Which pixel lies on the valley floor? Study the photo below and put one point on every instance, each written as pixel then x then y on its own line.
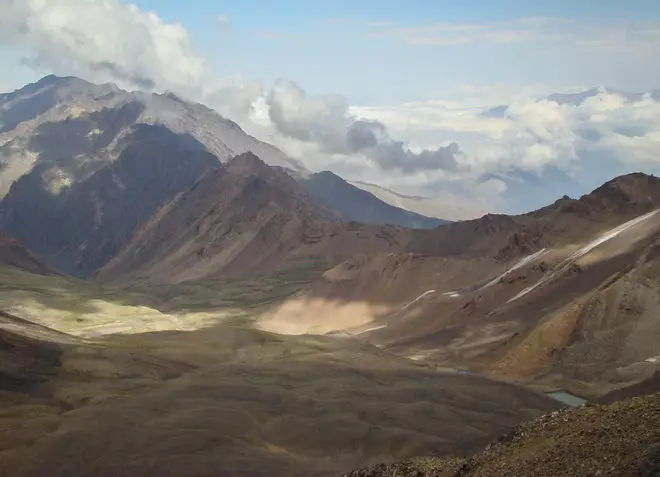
pixel 99 382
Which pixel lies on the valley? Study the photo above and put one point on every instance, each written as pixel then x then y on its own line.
pixel 178 298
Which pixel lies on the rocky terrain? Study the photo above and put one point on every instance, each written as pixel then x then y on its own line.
pixel 79 227
pixel 15 254
pixel 562 298
pixel 620 439
pixel 120 387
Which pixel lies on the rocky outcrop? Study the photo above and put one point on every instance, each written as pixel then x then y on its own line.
pixel 621 439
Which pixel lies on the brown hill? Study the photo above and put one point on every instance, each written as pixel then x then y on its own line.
pixel 249 219
pixel 561 298
pixel 83 165
pixel 14 254
pixel 564 297
pixel 244 219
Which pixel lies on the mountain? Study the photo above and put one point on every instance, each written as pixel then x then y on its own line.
pixel 573 99
pixel 244 219
pixel 563 297
pixel 445 208
pixel 77 225
pixel 120 388
pixel 578 98
pixel 58 117
pixel 343 197
pixel 82 165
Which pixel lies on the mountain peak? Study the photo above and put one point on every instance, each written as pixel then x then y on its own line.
pixel 634 187
pixel 246 161
pixel 249 164
pixel 63 81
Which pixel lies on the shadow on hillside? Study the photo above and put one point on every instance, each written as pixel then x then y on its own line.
pixel 247 401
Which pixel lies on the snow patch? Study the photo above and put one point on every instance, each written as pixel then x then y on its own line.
pixel 374 328
pixel 412 302
pixel 520 263
pixel 563 266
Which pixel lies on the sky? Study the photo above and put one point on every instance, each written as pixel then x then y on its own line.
pixel 397 93
pixel 393 50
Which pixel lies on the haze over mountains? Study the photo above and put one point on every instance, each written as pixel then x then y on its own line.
pixel 235 314
pixel 88 163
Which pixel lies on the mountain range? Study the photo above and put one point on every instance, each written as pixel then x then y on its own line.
pixel 85 164
pixel 179 298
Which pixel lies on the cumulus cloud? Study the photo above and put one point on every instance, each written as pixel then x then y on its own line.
pixel 103 39
pixel 109 40
pixel 327 121
pixel 412 147
pixel 569 141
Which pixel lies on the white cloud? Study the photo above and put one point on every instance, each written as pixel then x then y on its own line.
pixel 327 121
pixel 534 134
pixel 109 40
pixel 103 39
pixel 410 147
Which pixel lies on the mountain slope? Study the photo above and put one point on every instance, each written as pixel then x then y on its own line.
pixel 14 254
pixel 621 439
pixel 83 164
pixel 78 104
pixel 78 227
pixel 443 207
pixel 564 297
pixel 68 147
pixel 244 219
pixel 359 205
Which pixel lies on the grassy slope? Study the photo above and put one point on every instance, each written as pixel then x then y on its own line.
pixel 88 309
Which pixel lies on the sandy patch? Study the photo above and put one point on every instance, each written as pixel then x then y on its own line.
pixel 319 316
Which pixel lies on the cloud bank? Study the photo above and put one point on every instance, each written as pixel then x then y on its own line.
pixel 102 39
pixel 328 122
pixel 480 145
pixel 109 40
pixel 580 140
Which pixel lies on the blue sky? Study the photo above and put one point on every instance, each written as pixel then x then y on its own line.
pixel 370 52
pixel 325 46
pixel 289 13
pixel 413 77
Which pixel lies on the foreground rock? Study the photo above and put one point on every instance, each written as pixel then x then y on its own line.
pixel 621 439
